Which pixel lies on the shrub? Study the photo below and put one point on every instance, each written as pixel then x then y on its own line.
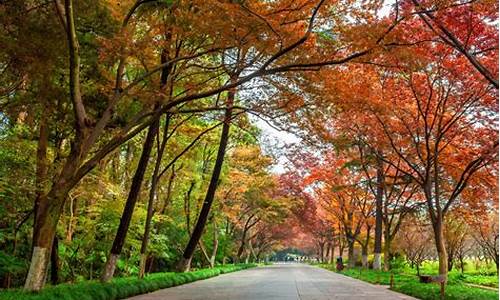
pixel 119 288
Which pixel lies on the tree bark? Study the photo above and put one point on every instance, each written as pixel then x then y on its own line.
pixel 215 245
pixel 332 254
pixel 41 165
pixel 152 196
pixel 121 234
pixel 350 255
pixel 387 252
pixel 440 246
pixel 47 217
pixel 73 209
pixel 377 262
pixel 185 262
pixel 54 262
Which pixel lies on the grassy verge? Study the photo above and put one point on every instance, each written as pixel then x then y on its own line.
pixel 119 288
pixel 410 285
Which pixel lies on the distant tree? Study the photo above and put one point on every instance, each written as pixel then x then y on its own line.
pixel 415 241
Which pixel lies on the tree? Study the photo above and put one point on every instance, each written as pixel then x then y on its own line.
pixel 456 238
pixel 414 242
pixel 486 236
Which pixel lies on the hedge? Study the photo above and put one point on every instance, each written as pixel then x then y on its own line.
pixel 118 288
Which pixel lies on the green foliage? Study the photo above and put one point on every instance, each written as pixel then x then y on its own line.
pixel 10 264
pixel 120 288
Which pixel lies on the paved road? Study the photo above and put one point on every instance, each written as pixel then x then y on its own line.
pixel 284 282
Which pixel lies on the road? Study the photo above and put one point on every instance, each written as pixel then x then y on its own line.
pixel 284 281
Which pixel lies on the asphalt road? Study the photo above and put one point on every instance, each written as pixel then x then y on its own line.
pixel 284 281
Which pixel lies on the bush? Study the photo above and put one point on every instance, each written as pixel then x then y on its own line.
pixel 119 288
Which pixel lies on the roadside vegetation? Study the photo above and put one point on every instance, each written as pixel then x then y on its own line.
pixel 119 288
pixel 406 281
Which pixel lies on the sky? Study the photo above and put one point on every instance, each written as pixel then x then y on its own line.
pixel 274 141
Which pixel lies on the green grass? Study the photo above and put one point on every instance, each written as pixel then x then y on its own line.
pixel 119 288
pixel 409 284
pixel 484 280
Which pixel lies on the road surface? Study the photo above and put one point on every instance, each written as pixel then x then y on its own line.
pixel 281 281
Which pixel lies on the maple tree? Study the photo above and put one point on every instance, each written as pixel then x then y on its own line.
pixel 132 119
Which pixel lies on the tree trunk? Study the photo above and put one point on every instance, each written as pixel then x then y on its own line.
pixel 328 249
pixel 332 255
pixel 185 262
pixel 121 234
pixel 163 209
pixel 364 259
pixel 387 250
pixel 364 256
pixel 320 251
pixel 377 263
pixel 215 245
pixel 54 262
pixel 462 264
pixel 73 209
pixel 48 207
pixel 350 255
pixel 152 196
pixel 47 216
pixel 41 165
pixel 440 246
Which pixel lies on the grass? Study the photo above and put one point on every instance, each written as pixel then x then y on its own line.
pixel 410 285
pixel 119 288
pixel 484 280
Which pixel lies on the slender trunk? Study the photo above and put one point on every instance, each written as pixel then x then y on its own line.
pixel 41 165
pixel 187 206
pixel 322 251
pixel 215 245
pixel 54 262
pixel 163 209
pixel 204 252
pixel 73 209
pixel 332 256
pixel 185 262
pixel 440 246
pixel 450 262
pixel 252 250
pixel 462 264
pixel 242 241
pixel 377 263
pixel 341 247
pixel 387 253
pixel 152 196
pixel 364 258
pixel 350 255
pixel 121 234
